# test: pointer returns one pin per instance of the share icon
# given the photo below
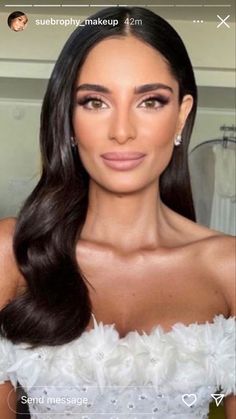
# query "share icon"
(218, 398)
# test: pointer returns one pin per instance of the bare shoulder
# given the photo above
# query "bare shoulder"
(218, 251)
(214, 252)
(220, 261)
(10, 276)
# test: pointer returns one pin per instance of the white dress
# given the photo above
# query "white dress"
(164, 375)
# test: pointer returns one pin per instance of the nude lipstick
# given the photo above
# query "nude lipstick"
(123, 160)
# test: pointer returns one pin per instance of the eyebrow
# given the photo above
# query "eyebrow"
(140, 89)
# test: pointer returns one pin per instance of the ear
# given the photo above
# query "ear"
(185, 108)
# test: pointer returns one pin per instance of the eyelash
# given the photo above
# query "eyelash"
(83, 101)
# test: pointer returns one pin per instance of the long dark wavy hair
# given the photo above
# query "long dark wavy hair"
(56, 308)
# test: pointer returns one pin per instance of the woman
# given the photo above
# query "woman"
(122, 299)
(17, 21)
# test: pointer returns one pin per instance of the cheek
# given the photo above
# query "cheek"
(159, 135)
(91, 132)
(89, 135)
(160, 130)
(87, 129)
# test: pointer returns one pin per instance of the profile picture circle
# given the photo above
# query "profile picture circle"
(17, 21)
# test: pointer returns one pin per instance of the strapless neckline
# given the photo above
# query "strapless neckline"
(183, 360)
(112, 326)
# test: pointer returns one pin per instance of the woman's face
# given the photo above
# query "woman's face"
(112, 117)
(19, 23)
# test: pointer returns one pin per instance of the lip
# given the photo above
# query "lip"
(121, 156)
(120, 163)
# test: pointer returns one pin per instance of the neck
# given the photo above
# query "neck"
(126, 222)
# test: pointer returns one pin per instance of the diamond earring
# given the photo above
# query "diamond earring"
(178, 140)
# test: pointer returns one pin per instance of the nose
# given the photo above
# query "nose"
(122, 127)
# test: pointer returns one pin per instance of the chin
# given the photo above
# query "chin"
(123, 186)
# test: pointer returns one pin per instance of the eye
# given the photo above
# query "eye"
(155, 102)
(152, 102)
(95, 101)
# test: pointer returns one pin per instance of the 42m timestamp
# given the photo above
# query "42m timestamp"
(132, 21)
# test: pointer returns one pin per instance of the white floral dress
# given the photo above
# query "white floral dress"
(167, 375)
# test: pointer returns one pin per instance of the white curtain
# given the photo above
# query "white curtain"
(212, 173)
(224, 199)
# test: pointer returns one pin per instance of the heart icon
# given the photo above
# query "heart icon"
(189, 399)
